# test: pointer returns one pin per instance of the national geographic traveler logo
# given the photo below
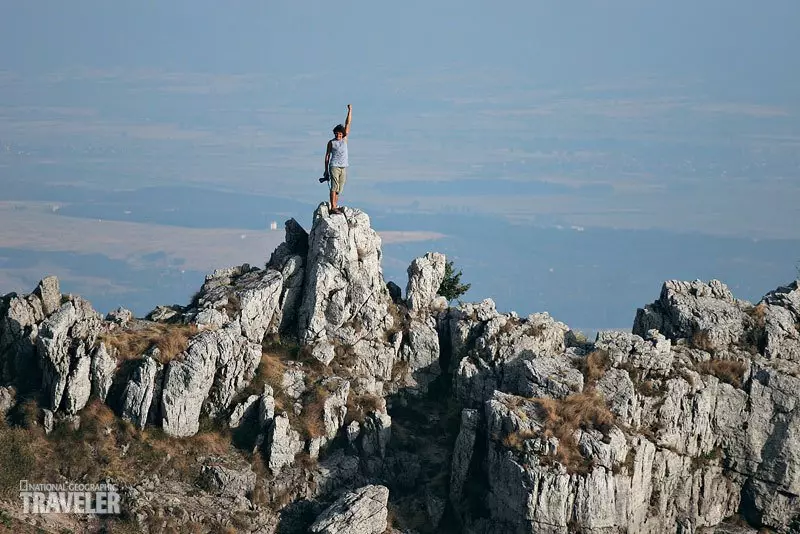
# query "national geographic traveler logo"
(68, 498)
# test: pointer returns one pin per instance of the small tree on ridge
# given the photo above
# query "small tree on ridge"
(451, 287)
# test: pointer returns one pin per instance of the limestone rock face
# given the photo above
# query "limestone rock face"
(226, 481)
(19, 327)
(695, 430)
(425, 275)
(545, 376)
(345, 300)
(64, 343)
(687, 309)
(243, 411)
(483, 342)
(420, 353)
(248, 296)
(376, 434)
(137, 397)
(462, 454)
(627, 478)
(214, 368)
(363, 511)
(7, 399)
(284, 444)
(120, 317)
(102, 372)
(335, 406)
(49, 292)
(295, 244)
(779, 316)
(688, 421)
(289, 258)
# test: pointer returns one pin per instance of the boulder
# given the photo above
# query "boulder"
(295, 244)
(243, 410)
(120, 317)
(227, 482)
(363, 511)
(376, 432)
(420, 354)
(49, 292)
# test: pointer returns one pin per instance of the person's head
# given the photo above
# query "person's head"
(338, 131)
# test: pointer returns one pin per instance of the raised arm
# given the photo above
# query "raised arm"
(347, 120)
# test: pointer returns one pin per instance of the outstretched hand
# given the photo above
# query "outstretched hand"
(349, 107)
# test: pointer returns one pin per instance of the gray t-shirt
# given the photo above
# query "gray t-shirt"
(338, 153)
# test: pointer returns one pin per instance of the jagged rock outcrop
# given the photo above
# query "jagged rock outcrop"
(484, 341)
(284, 443)
(419, 357)
(687, 309)
(243, 410)
(65, 342)
(779, 315)
(120, 317)
(682, 424)
(102, 371)
(215, 367)
(702, 428)
(8, 398)
(334, 408)
(346, 306)
(226, 481)
(249, 296)
(290, 259)
(363, 511)
(463, 451)
(425, 275)
(376, 432)
(141, 389)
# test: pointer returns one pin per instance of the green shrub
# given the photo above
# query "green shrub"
(451, 287)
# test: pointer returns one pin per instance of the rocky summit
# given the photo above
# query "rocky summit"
(310, 395)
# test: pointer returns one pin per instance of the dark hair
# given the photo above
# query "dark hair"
(339, 128)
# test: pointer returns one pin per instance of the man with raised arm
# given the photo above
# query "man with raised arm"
(336, 160)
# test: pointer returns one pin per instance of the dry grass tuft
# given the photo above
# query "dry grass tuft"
(358, 406)
(650, 388)
(759, 314)
(561, 418)
(104, 446)
(270, 371)
(400, 319)
(702, 340)
(594, 367)
(311, 421)
(400, 370)
(516, 440)
(728, 371)
(535, 330)
(509, 325)
(233, 306)
(132, 343)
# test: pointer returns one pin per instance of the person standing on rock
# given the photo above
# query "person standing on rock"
(336, 162)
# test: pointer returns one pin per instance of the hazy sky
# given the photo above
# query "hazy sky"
(679, 117)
